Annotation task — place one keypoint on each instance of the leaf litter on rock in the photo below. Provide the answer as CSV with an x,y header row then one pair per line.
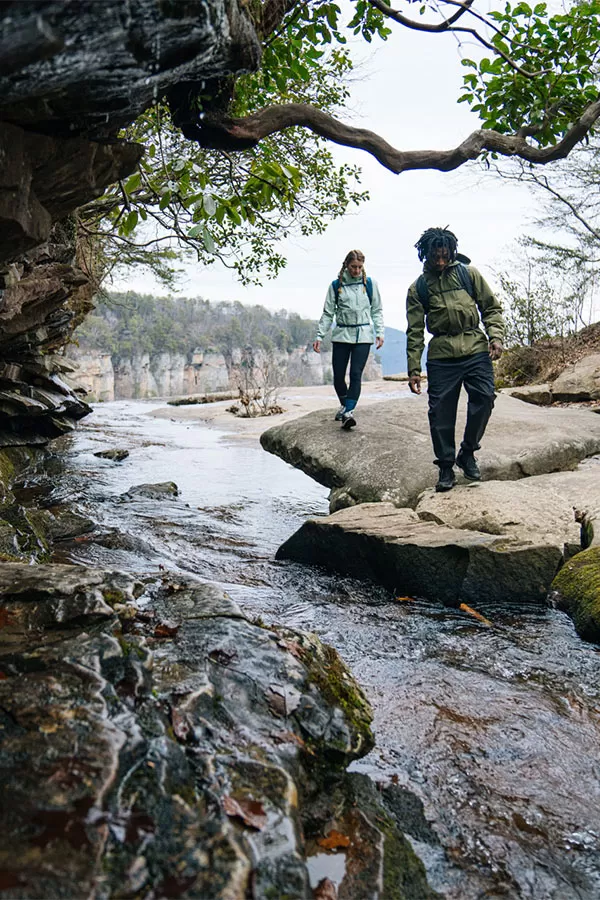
x,y
251,812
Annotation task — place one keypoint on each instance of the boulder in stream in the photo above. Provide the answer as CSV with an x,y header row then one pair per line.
x,y
162,490
115,454
156,742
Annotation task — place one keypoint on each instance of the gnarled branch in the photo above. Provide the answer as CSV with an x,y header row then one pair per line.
x,y
448,25
241,133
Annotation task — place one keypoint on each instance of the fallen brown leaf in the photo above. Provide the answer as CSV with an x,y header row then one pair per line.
x,y
166,629
404,599
251,812
292,647
334,840
474,613
181,725
283,701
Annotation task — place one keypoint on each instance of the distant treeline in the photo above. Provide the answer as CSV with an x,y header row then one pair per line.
x,y
124,324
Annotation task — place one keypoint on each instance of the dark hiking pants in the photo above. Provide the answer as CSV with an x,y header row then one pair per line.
x,y
341,355
445,377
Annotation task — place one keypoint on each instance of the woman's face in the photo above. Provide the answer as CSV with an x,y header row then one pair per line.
x,y
355,267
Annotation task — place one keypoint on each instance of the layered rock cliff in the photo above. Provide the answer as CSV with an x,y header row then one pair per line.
x,y
144,376
71,76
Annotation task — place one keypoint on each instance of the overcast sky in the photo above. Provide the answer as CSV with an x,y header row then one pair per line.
x,y
406,92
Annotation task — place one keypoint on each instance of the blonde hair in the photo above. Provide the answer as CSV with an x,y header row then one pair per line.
x,y
352,256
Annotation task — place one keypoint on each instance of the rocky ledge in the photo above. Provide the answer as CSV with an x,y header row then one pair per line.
x,y
504,539
155,742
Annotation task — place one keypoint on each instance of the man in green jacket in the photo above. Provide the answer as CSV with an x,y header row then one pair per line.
x,y
451,298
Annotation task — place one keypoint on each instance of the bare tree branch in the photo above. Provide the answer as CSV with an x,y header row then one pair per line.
x,y
415,24
448,25
543,182
240,133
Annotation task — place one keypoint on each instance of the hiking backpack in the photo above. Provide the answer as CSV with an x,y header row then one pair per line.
x,y
369,286
466,283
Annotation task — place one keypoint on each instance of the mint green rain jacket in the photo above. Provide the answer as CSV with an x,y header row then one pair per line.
x,y
356,320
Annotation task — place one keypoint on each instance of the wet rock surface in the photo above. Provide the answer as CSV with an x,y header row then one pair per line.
x,y
155,742
485,731
114,455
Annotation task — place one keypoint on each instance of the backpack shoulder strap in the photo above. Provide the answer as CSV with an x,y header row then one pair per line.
x,y
423,292
464,276
369,286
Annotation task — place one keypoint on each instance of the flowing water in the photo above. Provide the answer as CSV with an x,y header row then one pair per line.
x,y
494,728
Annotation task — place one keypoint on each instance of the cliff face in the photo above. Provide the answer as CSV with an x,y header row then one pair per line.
x,y
72,75
174,374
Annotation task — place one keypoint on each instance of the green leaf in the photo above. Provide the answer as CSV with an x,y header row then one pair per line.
x,y
209,244
130,221
133,183
209,204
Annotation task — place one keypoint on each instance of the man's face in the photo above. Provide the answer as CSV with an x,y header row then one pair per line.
x,y
439,259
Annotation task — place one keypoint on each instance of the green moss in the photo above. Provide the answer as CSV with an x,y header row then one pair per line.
x,y
578,584
335,682
131,648
113,596
404,876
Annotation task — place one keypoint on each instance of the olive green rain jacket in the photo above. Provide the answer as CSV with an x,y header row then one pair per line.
x,y
453,318
357,321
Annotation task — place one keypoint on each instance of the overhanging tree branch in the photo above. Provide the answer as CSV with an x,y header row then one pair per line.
x,y
448,25
241,133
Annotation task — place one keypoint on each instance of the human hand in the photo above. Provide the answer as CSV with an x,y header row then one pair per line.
x,y
496,348
317,346
414,383
378,343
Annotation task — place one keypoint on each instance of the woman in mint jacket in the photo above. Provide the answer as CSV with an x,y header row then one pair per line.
x,y
354,302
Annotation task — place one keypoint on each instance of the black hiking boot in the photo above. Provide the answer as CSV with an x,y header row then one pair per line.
x,y
467,462
348,421
446,481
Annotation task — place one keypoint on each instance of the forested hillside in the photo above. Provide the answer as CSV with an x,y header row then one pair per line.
x,y
124,324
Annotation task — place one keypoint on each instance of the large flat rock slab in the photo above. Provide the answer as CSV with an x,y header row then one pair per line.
x,y
413,557
499,541
388,457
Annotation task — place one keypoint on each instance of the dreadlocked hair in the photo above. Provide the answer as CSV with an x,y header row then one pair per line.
x,y
437,239
352,256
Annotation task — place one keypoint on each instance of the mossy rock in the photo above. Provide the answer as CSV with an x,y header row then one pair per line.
x,y
578,587
338,687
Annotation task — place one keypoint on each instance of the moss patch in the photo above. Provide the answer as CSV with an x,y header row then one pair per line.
x,y
337,685
578,584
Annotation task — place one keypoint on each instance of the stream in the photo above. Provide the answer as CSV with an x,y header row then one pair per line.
x,y
494,728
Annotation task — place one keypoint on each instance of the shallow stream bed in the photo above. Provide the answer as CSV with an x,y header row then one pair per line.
x,y
494,728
